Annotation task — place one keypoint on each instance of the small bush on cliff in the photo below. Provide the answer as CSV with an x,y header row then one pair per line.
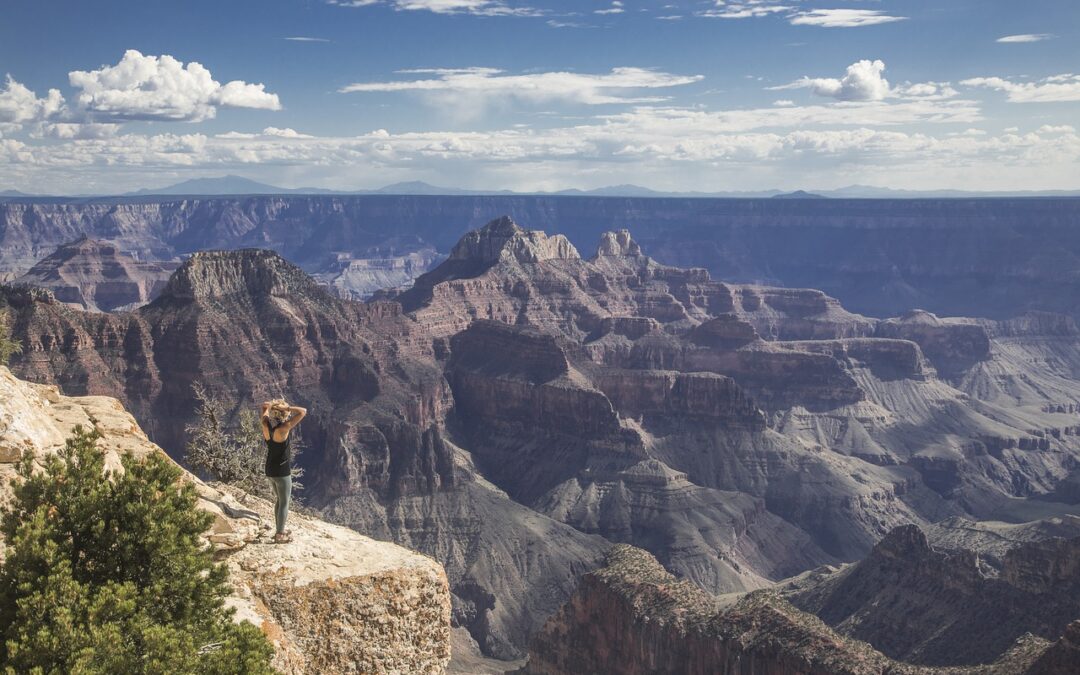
x,y
105,573
232,453
8,345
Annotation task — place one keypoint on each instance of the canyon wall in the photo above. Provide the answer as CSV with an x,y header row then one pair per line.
x,y
960,257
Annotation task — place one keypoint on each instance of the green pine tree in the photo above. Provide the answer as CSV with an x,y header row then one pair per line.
x,y
105,573
8,346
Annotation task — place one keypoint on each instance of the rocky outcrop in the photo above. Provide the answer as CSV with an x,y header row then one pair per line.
x,y
98,276
331,601
1063,657
503,240
228,274
921,605
634,617
953,346
654,393
359,278
617,244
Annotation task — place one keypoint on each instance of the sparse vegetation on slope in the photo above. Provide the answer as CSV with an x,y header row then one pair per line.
x,y
8,346
105,572
231,453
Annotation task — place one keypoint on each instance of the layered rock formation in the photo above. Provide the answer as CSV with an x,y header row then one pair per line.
x,y
921,605
958,257
572,442
632,616
521,408
98,276
330,601
251,326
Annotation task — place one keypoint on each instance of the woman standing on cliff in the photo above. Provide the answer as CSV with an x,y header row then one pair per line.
x,y
278,419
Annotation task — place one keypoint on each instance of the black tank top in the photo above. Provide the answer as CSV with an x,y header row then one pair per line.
x,y
278,461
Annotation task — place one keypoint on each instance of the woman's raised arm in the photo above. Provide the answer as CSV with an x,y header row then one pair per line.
x,y
298,414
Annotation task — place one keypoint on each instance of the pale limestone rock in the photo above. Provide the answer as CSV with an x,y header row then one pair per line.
x,y
331,601
504,240
618,243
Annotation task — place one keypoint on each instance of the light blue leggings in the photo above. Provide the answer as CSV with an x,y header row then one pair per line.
x,y
282,488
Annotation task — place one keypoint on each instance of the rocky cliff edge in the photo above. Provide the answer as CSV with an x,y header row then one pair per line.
x,y
634,617
332,601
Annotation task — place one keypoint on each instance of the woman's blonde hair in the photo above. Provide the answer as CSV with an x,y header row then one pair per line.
x,y
278,411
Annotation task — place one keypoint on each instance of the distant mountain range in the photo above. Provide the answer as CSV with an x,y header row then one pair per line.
x,y
239,185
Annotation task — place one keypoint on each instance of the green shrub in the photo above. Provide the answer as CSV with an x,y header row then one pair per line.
x,y
233,453
8,345
105,573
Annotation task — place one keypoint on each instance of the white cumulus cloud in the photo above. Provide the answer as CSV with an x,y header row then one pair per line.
x,y
161,88
19,105
863,81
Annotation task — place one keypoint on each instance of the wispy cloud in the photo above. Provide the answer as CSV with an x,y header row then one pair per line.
x,y
842,18
305,39
1056,88
474,7
826,18
1026,37
615,8
478,84
686,145
744,10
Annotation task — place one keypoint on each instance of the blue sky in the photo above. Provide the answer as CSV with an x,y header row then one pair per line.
x,y
493,94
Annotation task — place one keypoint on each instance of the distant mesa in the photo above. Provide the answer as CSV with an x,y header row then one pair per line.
x,y
240,185
244,272
222,185
97,276
799,194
